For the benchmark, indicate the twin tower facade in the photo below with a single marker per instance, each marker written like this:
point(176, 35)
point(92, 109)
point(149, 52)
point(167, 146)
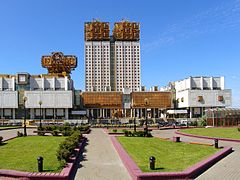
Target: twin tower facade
point(112, 62)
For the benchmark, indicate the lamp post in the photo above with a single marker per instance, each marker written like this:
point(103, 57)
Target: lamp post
point(134, 119)
point(40, 104)
point(25, 129)
point(146, 101)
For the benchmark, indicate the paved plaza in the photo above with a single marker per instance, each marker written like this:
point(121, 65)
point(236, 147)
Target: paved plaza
point(7, 134)
point(101, 161)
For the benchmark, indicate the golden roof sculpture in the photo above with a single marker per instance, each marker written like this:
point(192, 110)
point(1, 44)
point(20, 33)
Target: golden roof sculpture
point(126, 31)
point(96, 31)
point(58, 63)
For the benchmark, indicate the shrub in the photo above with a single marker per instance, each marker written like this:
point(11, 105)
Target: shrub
point(238, 129)
point(19, 134)
point(66, 148)
point(66, 132)
point(1, 138)
point(114, 130)
point(41, 133)
point(55, 132)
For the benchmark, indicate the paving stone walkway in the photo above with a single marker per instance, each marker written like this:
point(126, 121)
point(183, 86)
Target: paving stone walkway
point(226, 169)
point(101, 160)
point(7, 134)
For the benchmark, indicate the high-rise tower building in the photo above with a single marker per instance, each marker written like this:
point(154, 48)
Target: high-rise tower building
point(97, 56)
point(127, 55)
point(112, 62)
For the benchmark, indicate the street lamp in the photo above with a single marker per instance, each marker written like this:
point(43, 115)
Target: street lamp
point(134, 119)
point(146, 102)
point(40, 104)
point(25, 129)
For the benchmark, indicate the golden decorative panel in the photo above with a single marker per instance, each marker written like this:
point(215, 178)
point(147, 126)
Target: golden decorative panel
point(59, 63)
point(96, 31)
point(155, 99)
point(126, 31)
point(112, 100)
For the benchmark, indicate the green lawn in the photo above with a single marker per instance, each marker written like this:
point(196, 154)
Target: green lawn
point(21, 153)
point(231, 133)
point(170, 156)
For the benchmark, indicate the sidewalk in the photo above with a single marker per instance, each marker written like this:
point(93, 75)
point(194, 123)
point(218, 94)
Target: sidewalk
point(8, 134)
point(101, 161)
point(227, 168)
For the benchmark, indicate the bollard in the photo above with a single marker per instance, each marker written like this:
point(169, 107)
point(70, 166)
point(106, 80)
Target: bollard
point(152, 162)
point(216, 143)
point(40, 164)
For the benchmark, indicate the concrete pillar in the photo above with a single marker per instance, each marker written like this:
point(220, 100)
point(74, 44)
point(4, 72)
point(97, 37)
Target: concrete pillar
point(43, 113)
point(43, 83)
point(66, 83)
point(53, 84)
point(13, 83)
point(32, 113)
point(13, 113)
point(1, 113)
point(101, 112)
point(66, 114)
point(190, 111)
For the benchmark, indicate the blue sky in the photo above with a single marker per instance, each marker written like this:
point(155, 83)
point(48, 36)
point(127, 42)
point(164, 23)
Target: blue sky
point(178, 38)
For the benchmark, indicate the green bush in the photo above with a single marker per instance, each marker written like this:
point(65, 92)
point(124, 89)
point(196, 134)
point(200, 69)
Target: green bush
point(55, 132)
point(238, 129)
point(19, 134)
point(114, 130)
point(41, 133)
point(66, 148)
point(66, 132)
point(1, 138)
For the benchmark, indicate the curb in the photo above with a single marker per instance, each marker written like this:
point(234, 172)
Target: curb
point(206, 137)
point(63, 175)
point(191, 172)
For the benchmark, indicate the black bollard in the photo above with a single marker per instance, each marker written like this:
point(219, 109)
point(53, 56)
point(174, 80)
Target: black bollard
point(40, 164)
point(152, 162)
point(216, 143)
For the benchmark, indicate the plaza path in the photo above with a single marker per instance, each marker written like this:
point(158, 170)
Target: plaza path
point(226, 169)
point(101, 160)
point(7, 134)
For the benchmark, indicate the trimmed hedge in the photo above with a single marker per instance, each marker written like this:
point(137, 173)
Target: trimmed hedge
point(65, 130)
point(136, 134)
point(66, 148)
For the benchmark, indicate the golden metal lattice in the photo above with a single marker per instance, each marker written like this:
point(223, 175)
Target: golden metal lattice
point(59, 63)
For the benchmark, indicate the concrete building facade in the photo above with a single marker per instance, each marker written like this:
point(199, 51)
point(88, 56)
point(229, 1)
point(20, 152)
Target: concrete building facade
point(200, 93)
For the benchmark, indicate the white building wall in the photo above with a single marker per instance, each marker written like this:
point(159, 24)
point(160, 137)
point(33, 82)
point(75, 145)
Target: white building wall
point(50, 99)
point(8, 99)
point(210, 98)
point(97, 65)
point(127, 58)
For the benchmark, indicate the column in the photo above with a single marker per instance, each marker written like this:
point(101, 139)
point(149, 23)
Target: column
point(66, 114)
point(13, 83)
point(66, 83)
point(1, 113)
point(13, 113)
point(131, 113)
point(44, 113)
point(190, 111)
point(32, 113)
point(43, 84)
point(101, 114)
point(53, 84)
